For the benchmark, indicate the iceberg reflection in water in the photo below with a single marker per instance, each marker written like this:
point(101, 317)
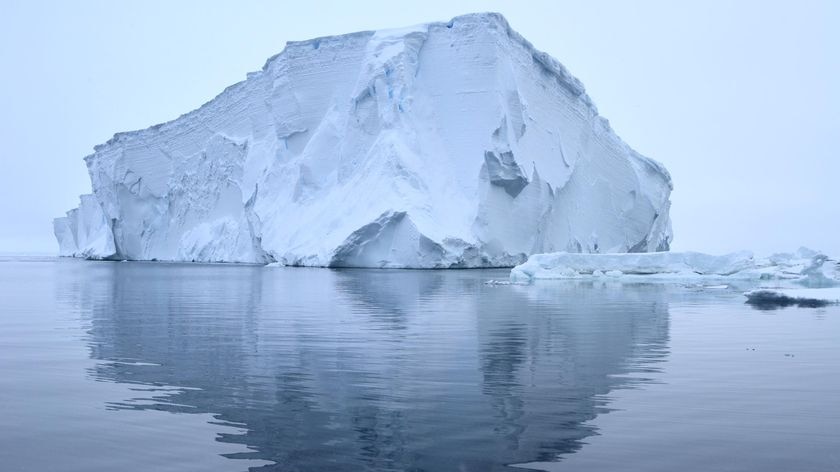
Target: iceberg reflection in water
point(396, 370)
point(170, 367)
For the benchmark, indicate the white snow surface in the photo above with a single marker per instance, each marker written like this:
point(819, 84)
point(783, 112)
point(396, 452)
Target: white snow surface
point(441, 145)
point(803, 267)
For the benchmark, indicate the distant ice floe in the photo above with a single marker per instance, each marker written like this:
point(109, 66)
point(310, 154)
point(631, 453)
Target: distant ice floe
point(804, 267)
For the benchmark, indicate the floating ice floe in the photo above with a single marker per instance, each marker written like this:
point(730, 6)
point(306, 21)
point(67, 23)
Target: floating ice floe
point(804, 267)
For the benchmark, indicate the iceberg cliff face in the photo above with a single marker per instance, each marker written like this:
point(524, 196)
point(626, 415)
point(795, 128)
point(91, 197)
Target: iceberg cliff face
point(442, 145)
point(84, 232)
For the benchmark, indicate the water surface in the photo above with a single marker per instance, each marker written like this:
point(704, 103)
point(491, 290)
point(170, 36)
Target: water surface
point(143, 366)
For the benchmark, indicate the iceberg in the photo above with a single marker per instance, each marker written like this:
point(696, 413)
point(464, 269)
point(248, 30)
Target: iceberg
point(803, 267)
point(443, 145)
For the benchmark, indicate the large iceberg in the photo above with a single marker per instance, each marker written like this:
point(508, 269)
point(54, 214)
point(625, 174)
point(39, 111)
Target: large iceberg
point(450, 144)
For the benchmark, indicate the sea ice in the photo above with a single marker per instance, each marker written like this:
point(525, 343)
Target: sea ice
point(805, 267)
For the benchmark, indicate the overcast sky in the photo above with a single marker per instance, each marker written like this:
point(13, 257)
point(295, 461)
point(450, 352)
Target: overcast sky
point(740, 100)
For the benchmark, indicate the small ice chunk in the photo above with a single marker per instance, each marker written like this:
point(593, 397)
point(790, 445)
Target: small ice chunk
point(497, 282)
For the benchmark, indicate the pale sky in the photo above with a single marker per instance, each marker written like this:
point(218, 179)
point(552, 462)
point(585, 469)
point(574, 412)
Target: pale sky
point(740, 100)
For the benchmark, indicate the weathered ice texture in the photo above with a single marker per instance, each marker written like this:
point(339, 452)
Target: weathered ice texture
point(442, 145)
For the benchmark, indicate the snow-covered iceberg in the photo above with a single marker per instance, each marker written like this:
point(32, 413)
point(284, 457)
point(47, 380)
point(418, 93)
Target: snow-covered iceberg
point(452, 144)
point(804, 267)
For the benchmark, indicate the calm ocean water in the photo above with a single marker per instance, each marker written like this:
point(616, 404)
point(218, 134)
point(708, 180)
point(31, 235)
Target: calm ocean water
point(171, 367)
